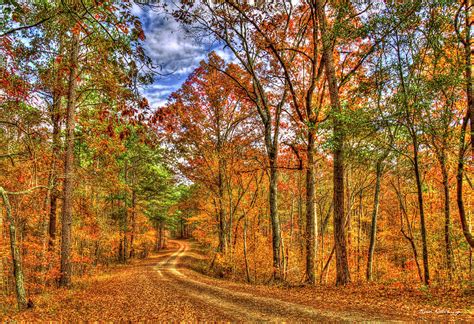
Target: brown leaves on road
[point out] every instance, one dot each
(164, 288)
(135, 292)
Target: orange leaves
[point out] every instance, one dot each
(143, 103)
(122, 27)
(76, 30)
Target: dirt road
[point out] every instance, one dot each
(235, 305)
(164, 288)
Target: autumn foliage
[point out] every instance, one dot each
(334, 146)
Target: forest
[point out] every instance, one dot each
(323, 144)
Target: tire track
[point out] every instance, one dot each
(240, 305)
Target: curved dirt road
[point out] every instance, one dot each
(234, 305)
(162, 288)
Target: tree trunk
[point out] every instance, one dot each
(310, 212)
(53, 199)
(447, 216)
(159, 236)
(247, 269)
(459, 183)
(276, 238)
(469, 116)
(300, 211)
(16, 257)
(373, 229)
(468, 69)
(66, 216)
(120, 251)
(415, 254)
(408, 236)
(359, 232)
(55, 147)
(326, 266)
(163, 235)
(181, 224)
(125, 231)
(342, 267)
(222, 217)
(419, 189)
(132, 220)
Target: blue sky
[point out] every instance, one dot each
(177, 53)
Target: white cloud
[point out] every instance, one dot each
(172, 49)
(157, 94)
(169, 45)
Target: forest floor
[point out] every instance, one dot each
(163, 287)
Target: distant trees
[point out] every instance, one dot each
(207, 121)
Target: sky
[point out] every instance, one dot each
(176, 53)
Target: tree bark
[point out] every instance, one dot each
(469, 116)
(222, 215)
(247, 268)
(468, 69)
(125, 231)
(342, 267)
(419, 189)
(66, 216)
(359, 232)
(373, 229)
(55, 147)
(447, 216)
(310, 213)
(133, 225)
(16, 257)
(276, 239)
(408, 236)
(54, 196)
(459, 183)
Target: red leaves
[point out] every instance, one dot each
(122, 27)
(76, 30)
(143, 103)
(110, 130)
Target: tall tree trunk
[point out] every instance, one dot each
(247, 269)
(468, 69)
(273, 199)
(419, 189)
(120, 251)
(459, 183)
(159, 235)
(310, 213)
(359, 232)
(373, 228)
(469, 116)
(54, 195)
(125, 231)
(222, 215)
(408, 236)
(16, 257)
(163, 236)
(447, 216)
(300, 210)
(55, 147)
(66, 216)
(133, 225)
(342, 266)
